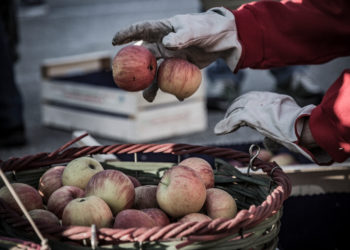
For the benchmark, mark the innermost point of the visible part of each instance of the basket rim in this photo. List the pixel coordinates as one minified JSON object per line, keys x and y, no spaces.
{"x":207,"y":230}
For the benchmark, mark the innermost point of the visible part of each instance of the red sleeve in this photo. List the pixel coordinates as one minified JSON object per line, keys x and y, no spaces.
{"x":283,"y":33}
{"x":330,"y":121}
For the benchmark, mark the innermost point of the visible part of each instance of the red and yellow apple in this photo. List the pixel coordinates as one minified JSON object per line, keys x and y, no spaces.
{"x":50,"y":181}
{"x":179,"y":77}
{"x":114,"y":187}
{"x":61,"y":197}
{"x":202,"y":168}
{"x":86,"y":211}
{"x":79,"y":171}
{"x":145,"y":197}
{"x":130,"y":218}
{"x":160,"y":218}
{"x":180,"y":191}
{"x":220,"y":204}
{"x":28,"y":195}
{"x":134,"y":68}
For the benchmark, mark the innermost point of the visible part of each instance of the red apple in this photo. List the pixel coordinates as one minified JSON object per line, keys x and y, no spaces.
{"x":220,"y":204}
{"x":50,"y":181}
{"x":145,"y":197}
{"x":29,"y":196}
{"x":160,"y":218}
{"x":114,"y":187}
{"x":283,"y":159}
{"x":198,"y":217}
{"x":86,"y":211}
{"x":180,"y":191}
{"x":79,"y":171}
{"x":61,"y":197}
{"x":134,"y":181}
{"x":202,"y":168}
{"x":130,"y":218}
{"x":44,"y":217}
{"x":179,"y":77}
{"x":134,"y":68}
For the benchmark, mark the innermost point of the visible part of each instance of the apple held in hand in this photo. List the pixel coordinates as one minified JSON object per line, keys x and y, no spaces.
{"x":61,"y":197}
{"x":50,"y":181}
{"x":79,"y":171}
{"x":130,"y":218}
{"x":44,"y":217}
{"x":134,"y":68}
{"x":180,"y":191}
{"x":86,"y":211}
{"x":179,"y":77}
{"x":202,"y":168}
{"x":145,"y":197}
{"x":29,"y":196}
{"x":220,"y":204}
{"x":114,"y":187}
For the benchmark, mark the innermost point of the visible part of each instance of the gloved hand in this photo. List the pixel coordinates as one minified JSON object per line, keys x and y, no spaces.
{"x":200,"y":38}
{"x":275,"y":116}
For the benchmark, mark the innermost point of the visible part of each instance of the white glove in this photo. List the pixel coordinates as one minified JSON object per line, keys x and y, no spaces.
{"x":200,"y":38}
{"x":274,"y":116}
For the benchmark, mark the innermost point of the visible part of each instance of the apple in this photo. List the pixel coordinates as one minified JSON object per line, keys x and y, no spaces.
{"x":114,"y":187}
{"x":283,"y":159}
{"x":86,"y":211}
{"x":130,"y":218}
{"x":179,"y":77}
{"x":145,"y":197}
{"x":79,"y":171}
{"x":29,"y":196}
{"x":61,"y":197}
{"x":50,"y":181}
{"x":134,"y":68}
{"x":134,"y":181}
{"x":202,"y":168}
{"x":160,"y":218}
{"x":220,"y":204}
{"x":180,"y":191}
{"x":44,"y":217}
{"x":198,"y":217}
{"x":265,"y":155}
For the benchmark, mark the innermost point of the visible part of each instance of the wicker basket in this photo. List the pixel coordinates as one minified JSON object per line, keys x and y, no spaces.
{"x":256,"y":225}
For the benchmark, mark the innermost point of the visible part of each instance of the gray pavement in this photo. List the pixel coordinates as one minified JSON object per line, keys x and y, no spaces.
{"x":64,"y":27}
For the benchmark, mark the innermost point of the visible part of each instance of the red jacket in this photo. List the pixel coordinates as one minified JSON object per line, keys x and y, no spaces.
{"x":303,"y":32}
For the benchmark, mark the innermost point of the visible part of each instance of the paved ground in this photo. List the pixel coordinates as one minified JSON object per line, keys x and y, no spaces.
{"x":64,"y":27}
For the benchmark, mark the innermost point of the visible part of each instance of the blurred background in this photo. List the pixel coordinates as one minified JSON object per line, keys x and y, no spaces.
{"x":75,"y":34}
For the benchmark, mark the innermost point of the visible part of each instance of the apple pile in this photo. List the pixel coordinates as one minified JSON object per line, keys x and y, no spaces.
{"x":83,"y":193}
{"x":134,"y":68}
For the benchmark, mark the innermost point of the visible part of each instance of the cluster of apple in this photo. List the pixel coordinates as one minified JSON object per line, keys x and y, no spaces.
{"x":83,"y":193}
{"x":135,"y":68}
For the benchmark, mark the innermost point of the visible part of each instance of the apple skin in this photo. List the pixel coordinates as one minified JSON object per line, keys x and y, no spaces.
{"x":160,"y":218}
{"x":197,"y":217}
{"x":134,"y":181}
{"x":202,"y":168}
{"x":179,"y":77}
{"x":283,"y":159}
{"x":86,"y":211}
{"x":220,"y":204}
{"x":180,"y":191}
{"x":134,"y":68}
{"x":29,"y":196}
{"x":61,"y":197}
{"x":50,"y":181}
{"x":79,"y":171}
{"x":145,"y":197}
{"x":130,"y":218}
{"x":44,"y":217}
{"x":114,"y":187}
